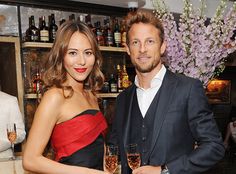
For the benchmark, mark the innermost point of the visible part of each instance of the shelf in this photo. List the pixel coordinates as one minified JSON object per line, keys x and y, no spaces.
{"x":32,"y":96}
{"x":36,"y":45}
{"x":49,"y":45}
{"x":102,"y":95}
{"x":107,"y":95}
{"x":116,"y":49}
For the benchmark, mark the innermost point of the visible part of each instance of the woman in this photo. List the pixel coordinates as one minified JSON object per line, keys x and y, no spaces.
{"x":69,"y":111}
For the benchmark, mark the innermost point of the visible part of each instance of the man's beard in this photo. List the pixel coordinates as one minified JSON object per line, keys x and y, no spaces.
{"x":145,"y":69}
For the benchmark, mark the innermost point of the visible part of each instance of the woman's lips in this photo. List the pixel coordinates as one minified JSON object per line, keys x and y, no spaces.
{"x":80,"y":70}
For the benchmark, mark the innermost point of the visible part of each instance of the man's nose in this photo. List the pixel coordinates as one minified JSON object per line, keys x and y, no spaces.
{"x":142,"y":48}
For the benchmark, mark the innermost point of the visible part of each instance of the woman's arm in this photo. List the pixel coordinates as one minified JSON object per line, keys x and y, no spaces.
{"x":46,"y":116}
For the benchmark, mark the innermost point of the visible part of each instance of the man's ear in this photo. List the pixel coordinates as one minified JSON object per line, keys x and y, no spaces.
{"x":163,"y":47}
{"x":127,"y":48}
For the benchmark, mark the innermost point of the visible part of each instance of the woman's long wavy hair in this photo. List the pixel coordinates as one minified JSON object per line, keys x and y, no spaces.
{"x":55,"y":73}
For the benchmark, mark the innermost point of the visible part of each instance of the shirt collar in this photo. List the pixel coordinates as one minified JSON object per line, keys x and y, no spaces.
{"x":158,"y":78}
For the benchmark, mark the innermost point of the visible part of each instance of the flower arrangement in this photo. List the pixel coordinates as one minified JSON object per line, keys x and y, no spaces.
{"x":194,"y":48}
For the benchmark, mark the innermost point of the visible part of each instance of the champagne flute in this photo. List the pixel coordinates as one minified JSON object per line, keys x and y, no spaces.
{"x":11,"y":134}
{"x":111,"y":158}
{"x":133,"y":156}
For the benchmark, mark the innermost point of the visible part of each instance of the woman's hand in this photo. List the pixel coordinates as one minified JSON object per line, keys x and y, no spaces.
{"x":147,"y":170}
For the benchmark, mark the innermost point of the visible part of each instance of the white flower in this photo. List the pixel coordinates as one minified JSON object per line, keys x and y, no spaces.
{"x":193,"y":48}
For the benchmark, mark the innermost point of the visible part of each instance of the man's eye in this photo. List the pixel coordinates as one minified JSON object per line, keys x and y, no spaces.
{"x":150,"y":42}
{"x":135,"y":43}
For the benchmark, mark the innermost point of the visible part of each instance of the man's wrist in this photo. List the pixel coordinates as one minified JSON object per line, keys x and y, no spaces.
{"x":164,"y":170}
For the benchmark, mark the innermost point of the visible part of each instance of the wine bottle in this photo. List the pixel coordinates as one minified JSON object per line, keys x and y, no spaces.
{"x":117,"y":34}
{"x":44,"y":33}
{"x":32,"y":33}
{"x":52,"y":29}
{"x":113,"y":84}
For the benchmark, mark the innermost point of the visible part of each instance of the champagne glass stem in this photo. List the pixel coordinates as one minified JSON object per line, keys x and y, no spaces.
{"x":13,"y":151}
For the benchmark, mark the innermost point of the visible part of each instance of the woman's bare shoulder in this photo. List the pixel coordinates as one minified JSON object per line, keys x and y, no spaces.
{"x":54,"y":95}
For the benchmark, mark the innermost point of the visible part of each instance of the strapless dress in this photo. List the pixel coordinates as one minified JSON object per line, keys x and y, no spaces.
{"x":80,"y":140}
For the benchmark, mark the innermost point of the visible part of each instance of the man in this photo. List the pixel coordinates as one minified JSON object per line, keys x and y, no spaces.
{"x":166,"y":114}
{"x":9,"y":113}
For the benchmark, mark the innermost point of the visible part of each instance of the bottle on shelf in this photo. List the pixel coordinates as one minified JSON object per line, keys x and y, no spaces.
{"x":109,"y":39}
{"x":72,"y":17}
{"x":44,"y":33}
{"x":132,"y":6}
{"x":99,"y":34}
{"x":62,"y":21}
{"x":37,"y":83}
{"x":32,"y":33}
{"x":81,"y":18}
{"x":88,"y":22}
{"x":123,"y":33}
{"x":52,"y":28}
{"x":119,"y":78}
{"x":113,"y":84}
{"x":117,"y":34}
{"x":125,"y":78}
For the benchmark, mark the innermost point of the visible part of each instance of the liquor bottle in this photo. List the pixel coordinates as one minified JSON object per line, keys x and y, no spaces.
{"x":132,"y":6}
{"x":109,"y":39}
{"x":44,"y":33}
{"x":125,"y":78}
{"x":99,"y":34}
{"x":113,"y":84}
{"x":88,"y":22}
{"x":37,"y":83}
{"x":52,"y":29}
{"x":117,"y":34}
{"x":123,"y":33}
{"x":32,"y":33}
{"x":72,"y":17}
{"x":119,"y":78}
{"x":81,"y":18}
{"x":62,"y":21}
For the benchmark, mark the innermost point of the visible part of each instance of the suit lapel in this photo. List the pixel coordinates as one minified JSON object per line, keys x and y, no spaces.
{"x":127,"y":114}
{"x":167,"y":89}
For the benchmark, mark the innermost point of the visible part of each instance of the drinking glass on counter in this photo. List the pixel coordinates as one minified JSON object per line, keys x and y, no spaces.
{"x":11,"y":134}
{"x":111,"y":158}
{"x":133,"y":156}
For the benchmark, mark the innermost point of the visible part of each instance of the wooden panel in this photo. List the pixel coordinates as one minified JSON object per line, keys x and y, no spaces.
{"x":10,"y":71}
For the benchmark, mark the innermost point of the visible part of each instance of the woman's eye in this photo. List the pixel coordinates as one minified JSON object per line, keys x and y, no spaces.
{"x":72,"y":53}
{"x":88,"y":53}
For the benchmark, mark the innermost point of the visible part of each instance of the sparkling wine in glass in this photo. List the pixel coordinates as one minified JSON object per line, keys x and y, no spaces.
{"x":111,"y":158}
{"x":11,"y":134}
{"x":133,"y":156}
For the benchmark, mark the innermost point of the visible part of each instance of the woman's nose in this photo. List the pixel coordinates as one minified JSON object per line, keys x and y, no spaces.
{"x":81,"y":60}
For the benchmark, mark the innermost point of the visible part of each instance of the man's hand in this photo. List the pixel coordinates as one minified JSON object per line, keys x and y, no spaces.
{"x":148,"y":170}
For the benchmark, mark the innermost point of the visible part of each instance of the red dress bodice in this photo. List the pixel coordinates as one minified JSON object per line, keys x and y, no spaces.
{"x":74,"y":134}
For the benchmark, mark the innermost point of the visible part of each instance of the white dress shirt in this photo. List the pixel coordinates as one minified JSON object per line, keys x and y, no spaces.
{"x":9,"y":113}
{"x":145,"y":96}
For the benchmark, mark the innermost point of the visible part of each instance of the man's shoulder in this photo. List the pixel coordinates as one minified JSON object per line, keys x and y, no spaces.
{"x":182,"y":78}
{"x":4,"y":96}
